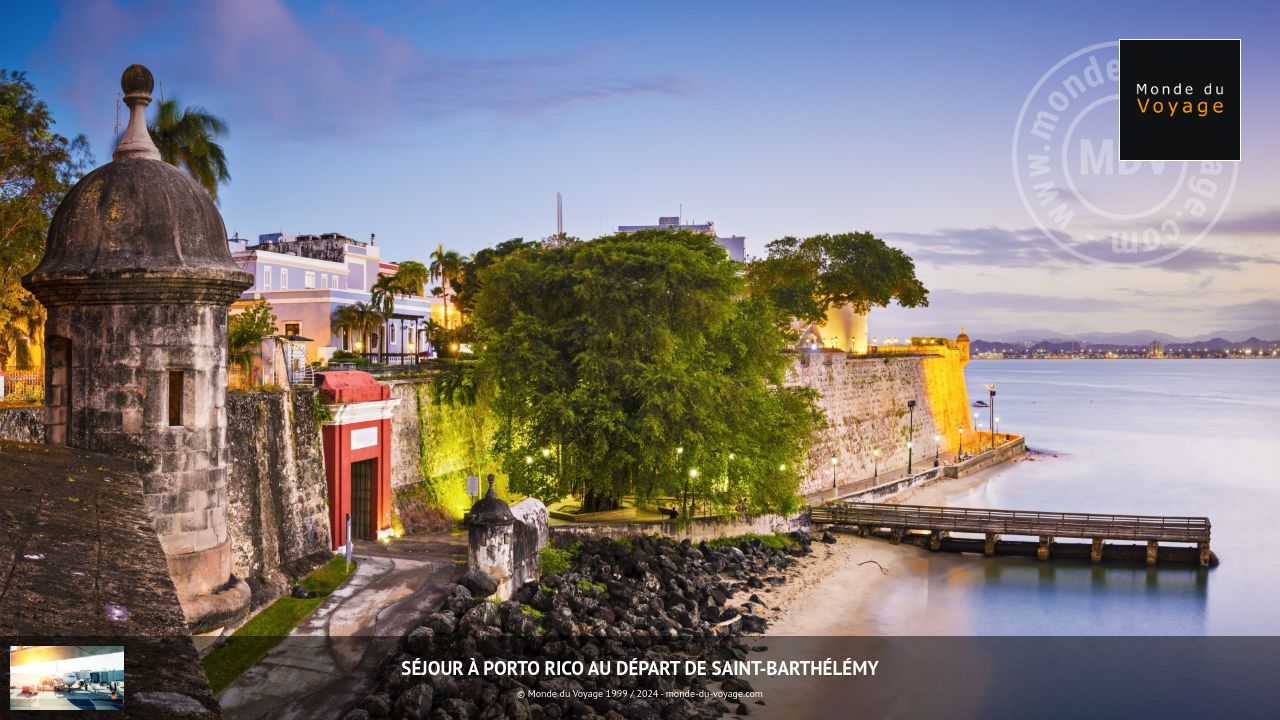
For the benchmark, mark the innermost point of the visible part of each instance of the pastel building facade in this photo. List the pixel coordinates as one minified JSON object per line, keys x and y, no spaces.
{"x":306,"y":278}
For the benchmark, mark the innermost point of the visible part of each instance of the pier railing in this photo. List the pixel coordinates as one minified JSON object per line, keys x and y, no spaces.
{"x":1147,"y":528}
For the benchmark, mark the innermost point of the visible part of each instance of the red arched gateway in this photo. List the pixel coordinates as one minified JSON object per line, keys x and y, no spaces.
{"x":357,"y":454}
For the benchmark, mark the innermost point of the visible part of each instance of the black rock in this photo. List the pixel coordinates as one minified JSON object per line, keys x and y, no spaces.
{"x":414,"y":703}
{"x":302,"y":593}
{"x":480,"y":584}
{"x":753,"y":623}
{"x":742,"y":709}
{"x":356,"y":714}
{"x":828,"y":538}
{"x":419,"y":640}
{"x":377,"y":704}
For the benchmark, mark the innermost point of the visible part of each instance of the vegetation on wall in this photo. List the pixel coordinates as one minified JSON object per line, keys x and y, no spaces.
{"x":456,"y":440}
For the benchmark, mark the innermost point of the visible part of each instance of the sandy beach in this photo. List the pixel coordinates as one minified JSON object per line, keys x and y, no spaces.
{"x":843,"y":590}
{"x":845,"y":575}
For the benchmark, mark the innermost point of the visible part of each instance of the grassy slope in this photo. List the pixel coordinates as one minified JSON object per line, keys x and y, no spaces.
{"x":255,"y":638}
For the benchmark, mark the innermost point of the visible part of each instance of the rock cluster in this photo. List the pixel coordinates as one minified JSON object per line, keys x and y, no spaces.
{"x":649,"y":598}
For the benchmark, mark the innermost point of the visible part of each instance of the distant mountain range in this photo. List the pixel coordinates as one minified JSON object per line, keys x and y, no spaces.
{"x":1269,"y":332}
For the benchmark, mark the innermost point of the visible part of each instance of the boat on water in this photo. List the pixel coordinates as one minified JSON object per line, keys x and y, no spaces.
{"x":980,"y":403}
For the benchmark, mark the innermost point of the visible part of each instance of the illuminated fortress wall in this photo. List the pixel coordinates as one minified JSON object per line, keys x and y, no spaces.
{"x":865,"y":399}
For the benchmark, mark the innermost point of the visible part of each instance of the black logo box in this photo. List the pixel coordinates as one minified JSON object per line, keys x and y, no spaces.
{"x":1187,"y":68}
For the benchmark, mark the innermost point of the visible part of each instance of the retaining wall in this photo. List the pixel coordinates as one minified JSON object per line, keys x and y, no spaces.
{"x":695,"y":530}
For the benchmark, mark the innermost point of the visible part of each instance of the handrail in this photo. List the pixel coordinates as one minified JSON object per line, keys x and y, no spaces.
{"x":1016,"y":522}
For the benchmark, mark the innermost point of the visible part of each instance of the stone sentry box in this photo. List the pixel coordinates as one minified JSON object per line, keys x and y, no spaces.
{"x":504,"y":541}
{"x":137,"y":278}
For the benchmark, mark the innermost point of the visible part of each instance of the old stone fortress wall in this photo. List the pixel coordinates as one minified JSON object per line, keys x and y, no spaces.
{"x":276,"y":515}
{"x":137,"y":279}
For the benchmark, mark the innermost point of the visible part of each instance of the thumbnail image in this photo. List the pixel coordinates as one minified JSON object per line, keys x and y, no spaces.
{"x":66,"y":677}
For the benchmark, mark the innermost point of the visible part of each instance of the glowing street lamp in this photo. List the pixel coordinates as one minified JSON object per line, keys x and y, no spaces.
{"x":546,"y":452}
{"x":960,"y":447}
{"x":911,"y":430}
{"x":991,"y":392}
{"x":875,"y":453}
{"x":693,"y":472}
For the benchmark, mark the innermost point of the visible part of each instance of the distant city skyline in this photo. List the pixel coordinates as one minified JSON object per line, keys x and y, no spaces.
{"x":457,"y":124}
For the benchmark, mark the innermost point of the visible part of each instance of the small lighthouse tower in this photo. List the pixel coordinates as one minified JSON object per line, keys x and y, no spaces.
{"x":137,"y":279}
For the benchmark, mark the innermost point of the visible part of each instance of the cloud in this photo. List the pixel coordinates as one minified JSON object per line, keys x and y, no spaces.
{"x":1029,"y":248}
{"x":1265,"y":221}
{"x":328,"y":74}
{"x":1256,"y":312}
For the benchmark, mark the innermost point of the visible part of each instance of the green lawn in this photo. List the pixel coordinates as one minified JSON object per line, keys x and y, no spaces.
{"x":251,"y":642}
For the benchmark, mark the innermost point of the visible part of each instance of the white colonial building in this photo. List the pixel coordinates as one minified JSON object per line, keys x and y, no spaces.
{"x":307,"y":277}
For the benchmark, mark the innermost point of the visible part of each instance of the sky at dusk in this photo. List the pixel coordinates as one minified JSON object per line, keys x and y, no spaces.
{"x":458,"y":122}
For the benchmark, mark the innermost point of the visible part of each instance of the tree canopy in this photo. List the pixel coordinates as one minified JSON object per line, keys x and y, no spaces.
{"x":245,"y":331}
{"x":803,"y":277}
{"x":37,"y":168}
{"x":635,"y":365}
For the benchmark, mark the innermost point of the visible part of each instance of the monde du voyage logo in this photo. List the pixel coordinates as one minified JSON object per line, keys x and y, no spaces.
{"x":1124,"y":151}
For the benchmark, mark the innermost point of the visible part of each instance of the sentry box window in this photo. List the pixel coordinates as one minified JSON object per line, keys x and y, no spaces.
{"x":175,"y":397}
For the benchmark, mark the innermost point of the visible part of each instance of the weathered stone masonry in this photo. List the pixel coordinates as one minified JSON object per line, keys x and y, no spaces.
{"x":136,"y":277}
{"x":276,"y":511}
{"x":865,"y":399}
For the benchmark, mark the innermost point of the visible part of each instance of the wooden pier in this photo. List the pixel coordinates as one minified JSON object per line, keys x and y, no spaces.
{"x":902,"y":521}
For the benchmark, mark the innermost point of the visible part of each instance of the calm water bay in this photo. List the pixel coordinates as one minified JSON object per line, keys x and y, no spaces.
{"x":1153,"y":437}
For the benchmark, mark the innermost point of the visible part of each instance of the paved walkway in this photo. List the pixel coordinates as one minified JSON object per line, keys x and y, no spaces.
{"x":330,"y":660}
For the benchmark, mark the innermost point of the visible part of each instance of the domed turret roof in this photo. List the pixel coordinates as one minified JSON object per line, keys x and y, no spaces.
{"x":962,"y":337}
{"x":137,"y":227}
{"x":491,"y":510}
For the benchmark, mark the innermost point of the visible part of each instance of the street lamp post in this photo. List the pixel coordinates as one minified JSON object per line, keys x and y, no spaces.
{"x":835,"y":493}
{"x":911,"y":430}
{"x":991,"y":392}
{"x":937,"y":449}
{"x":876,"y":455}
{"x":960,"y":442}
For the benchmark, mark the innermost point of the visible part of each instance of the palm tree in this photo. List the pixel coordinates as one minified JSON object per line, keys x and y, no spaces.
{"x":23,"y":330}
{"x":382,"y":303}
{"x":358,"y":319}
{"x":446,"y":266}
{"x":186,"y":138}
{"x":411,"y":277}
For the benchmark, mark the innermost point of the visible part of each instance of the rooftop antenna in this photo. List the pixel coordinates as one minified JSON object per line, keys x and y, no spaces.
{"x":680,"y":215}
{"x":559,"y":216}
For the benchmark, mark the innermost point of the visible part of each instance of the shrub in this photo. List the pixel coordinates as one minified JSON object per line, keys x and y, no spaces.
{"x":553,"y":561}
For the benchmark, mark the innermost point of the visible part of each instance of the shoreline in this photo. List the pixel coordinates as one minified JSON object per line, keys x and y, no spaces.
{"x":831,"y":594}
{"x":848,"y":573}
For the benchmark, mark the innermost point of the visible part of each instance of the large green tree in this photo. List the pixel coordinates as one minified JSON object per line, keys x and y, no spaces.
{"x":466,"y":286}
{"x":803,"y":277}
{"x":635,"y":365}
{"x":188,"y":138}
{"x":37,"y":168}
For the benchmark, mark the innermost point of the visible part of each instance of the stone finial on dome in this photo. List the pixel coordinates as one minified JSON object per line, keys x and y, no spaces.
{"x":137,"y":83}
{"x":491,"y":510}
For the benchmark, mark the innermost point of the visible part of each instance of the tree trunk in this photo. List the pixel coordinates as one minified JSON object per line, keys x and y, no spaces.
{"x":597,"y":501}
